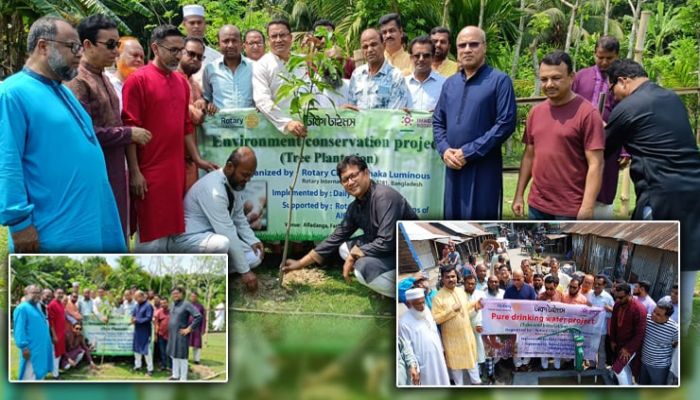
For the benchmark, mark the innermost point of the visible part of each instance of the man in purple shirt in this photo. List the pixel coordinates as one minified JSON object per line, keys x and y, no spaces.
{"x":592,"y":84}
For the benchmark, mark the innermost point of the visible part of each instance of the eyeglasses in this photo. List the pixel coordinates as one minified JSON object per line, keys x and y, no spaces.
{"x":75,"y":47}
{"x":192,"y":54}
{"x":111,"y":44}
{"x":610,"y":89}
{"x":419,"y":56}
{"x":174,"y":51}
{"x":471,"y":45}
{"x":344,"y":180}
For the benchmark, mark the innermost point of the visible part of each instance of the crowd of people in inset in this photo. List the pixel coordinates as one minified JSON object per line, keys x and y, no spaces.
{"x":144,"y":116}
{"x":440,"y":334}
{"x":48,"y":325}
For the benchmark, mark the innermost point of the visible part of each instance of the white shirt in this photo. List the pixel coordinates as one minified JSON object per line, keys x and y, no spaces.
{"x":425,"y":94}
{"x":605,"y":299}
{"x":498,"y":295}
{"x":266,"y":83}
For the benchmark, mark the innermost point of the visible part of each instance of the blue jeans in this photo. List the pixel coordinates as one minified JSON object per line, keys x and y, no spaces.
{"x":165,"y":361}
{"x":535,"y":214}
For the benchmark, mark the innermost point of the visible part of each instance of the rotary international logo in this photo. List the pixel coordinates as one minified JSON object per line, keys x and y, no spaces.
{"x":407,"y":120}
{"x":252,"y":120}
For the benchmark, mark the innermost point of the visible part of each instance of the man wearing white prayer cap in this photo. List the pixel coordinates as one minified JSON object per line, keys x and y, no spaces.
{"x":418,"y":330}
{"x":195,"y":25}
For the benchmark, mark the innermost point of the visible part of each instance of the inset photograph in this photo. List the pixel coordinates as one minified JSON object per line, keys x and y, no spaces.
{"x":118,"y":318}
{"x":538,"y":304}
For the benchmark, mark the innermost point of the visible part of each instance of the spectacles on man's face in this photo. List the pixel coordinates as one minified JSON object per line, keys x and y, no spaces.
{"x":174,"y":51}
{"x":111,"y":44}
{"x":352,"y":176}
{"x":75,"y":47}
{"x":472,"y":45}
{"x":195,"y":55}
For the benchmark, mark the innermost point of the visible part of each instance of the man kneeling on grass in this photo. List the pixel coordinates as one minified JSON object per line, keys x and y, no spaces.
{"x":375,"y":210}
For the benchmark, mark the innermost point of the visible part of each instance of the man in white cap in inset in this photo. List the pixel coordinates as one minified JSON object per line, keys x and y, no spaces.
{"x":195,"y":25}
{"x":418,"y":329}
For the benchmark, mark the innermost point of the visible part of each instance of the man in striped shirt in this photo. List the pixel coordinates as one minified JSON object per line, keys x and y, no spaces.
{"x":660,"y":338}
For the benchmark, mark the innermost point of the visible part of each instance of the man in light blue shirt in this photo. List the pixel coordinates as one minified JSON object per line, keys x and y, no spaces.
{"x":424,"y":83}
{"x":54,"y":191}
{"x":85,"y":304}
{"x":376,"y":84}
{"x":228,"y":81}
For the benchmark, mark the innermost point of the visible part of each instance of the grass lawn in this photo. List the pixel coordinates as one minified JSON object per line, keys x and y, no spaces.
{"x":213,"y":365}
{"x":510,"y":182}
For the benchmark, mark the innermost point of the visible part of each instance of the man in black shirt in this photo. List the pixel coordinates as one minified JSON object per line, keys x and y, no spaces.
{"x":652,"y":123}
{"x":375,"y":210}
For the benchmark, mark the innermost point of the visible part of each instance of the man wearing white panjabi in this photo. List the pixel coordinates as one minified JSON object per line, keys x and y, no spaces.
{"x":219,"y":317}
{"x":419,"y":330}
{"x":475,"y":316}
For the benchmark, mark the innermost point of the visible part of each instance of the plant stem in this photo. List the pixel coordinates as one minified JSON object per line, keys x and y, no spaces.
{"x":289,"y":213}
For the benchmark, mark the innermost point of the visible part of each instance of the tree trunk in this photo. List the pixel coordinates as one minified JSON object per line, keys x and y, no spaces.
{"x":635,"y":22}
{"x":606,"y":19}
{"x":446,"y":14}
{"x":536,"y":66}
{"x":578,"y":39}
{"x":519,"y":42}
{"x":482,"y":5}
{"x":572,"y":20}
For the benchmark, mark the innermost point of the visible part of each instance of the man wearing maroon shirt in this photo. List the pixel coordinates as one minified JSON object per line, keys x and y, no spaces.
{"x":564,"y":142}
{"x":627,"y":326}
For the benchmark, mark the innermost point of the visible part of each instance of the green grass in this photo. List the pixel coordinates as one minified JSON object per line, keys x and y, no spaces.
{"x":510,"y":182}
{"x":120,"y":368}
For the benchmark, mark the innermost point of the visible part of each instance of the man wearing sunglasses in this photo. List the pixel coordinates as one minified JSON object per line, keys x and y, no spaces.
{"x":100,"y":39}
{"x":54,"y":190}
{"x":474,"y":115}
{"x":196,"y":25}
{"x":653,"y":125}
{"x":156,"y":98}
{"x":424,"y":84}
{"x":375,"y":210}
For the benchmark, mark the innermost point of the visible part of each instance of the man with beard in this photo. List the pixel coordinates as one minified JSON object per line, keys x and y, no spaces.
{"x":72,"y":310}
{"x":214,"y":219}
{"x":183,"y":319}
{"x":58,"y":326}
{"x":641,"y":293}
{"x":564,"y":142}
{"x":377,"y":84}
{"x":157,"y":99}
{"x":627,"y":326}
{"x":46,"y":297}
{"x":131,"y":57}
{"x":600,"y":298}
{"x":418,"y":330}
{"x":100,"y":39}
{"x":550,"y":293}
{"x":493,"y":291}
{"x":474,"y":115}
{"x":375,"y":210}
{"x":424,"y":84}
{"x":538,"y":283}
{"x":190,"y":63}
{"x":451,"y":310}
{"x":31,"y":334}
{"x":54,"y":191}
{"x":441,"y":38}
{"x":592,"y":84}
{"x":228,"y":82}
{"x":573,"y":295}
{"x":519,"y":290}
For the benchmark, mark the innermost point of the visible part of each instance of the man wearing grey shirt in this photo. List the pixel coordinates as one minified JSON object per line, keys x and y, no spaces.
{"x":214,"y":219}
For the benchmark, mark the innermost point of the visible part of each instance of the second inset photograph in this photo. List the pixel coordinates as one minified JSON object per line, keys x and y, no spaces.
{"x":537,"y":304}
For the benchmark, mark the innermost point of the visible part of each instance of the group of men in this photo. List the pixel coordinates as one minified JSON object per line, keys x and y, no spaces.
{"x":128,"y":161}
{"x":48,"y":329}
{"x":442,"y":341}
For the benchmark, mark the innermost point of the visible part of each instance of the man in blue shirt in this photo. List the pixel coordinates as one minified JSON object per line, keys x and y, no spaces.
{"x":228,"y":81}
{"x":54,"y":191}
{"x":520,"y":291}
{"x":474,"y":115}
{"x":31,"y":334}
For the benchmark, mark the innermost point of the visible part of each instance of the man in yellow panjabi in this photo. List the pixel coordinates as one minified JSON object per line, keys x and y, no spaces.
{"x":451,"y":311}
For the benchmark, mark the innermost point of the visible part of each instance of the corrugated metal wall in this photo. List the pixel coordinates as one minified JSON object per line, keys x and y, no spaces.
{"x":667,"y":275}
{"x":646,"y":262}
{"x":602,"y":253}
{"x":578,"y":245}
